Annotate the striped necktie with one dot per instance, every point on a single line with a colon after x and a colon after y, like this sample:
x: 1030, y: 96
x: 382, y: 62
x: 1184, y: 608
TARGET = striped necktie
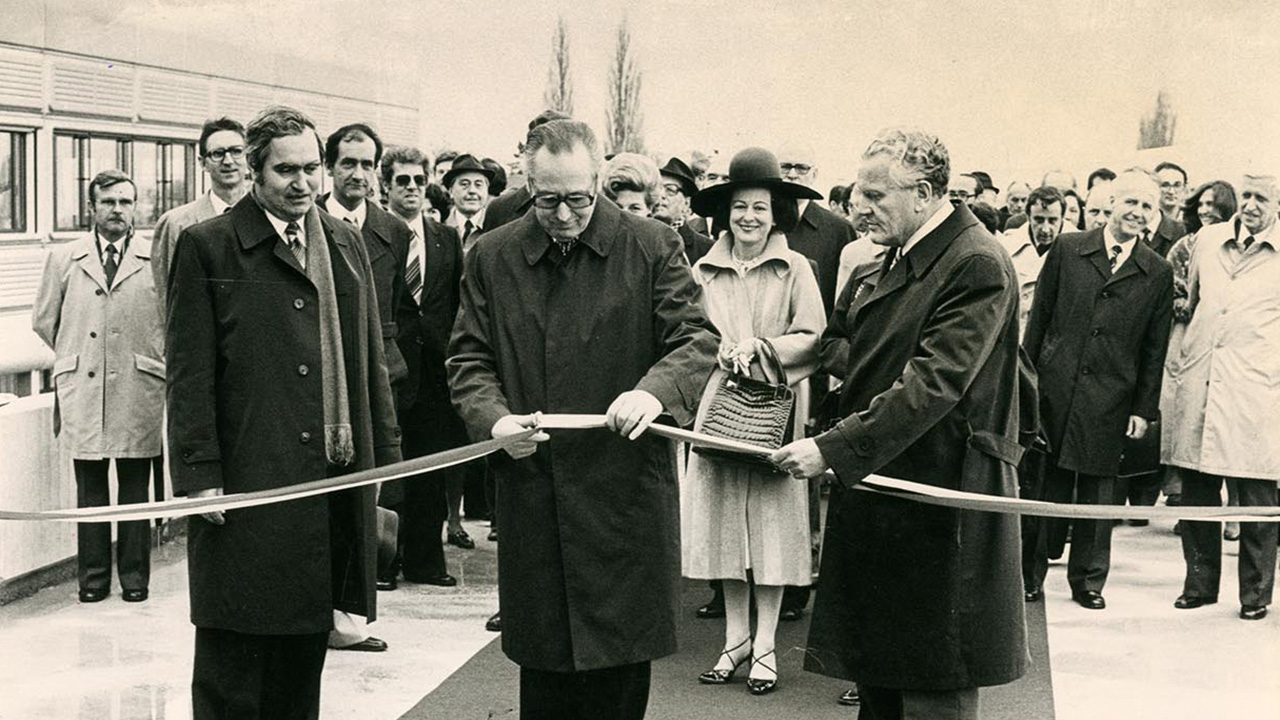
x: 413, y: 271
x: 1115, y: 256
x: 291, y: 231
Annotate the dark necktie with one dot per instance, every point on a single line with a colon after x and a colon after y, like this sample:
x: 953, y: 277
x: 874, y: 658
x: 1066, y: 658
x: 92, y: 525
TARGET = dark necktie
x: 1248, y: 243
x: 413, y: 271
x: 467, y: 229
x: 291, y: 231
x: 890, y: 260
x: 109, y: 263
x: 352, y: 221
x: 1115, y: 256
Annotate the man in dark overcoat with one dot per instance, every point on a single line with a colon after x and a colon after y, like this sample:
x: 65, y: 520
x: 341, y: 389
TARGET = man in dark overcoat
x: 921, y: 605
x: 578, y: 307
x: 1097, y: 333
x: 276, y: 376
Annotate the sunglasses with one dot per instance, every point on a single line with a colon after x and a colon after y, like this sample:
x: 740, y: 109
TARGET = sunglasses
x: 403, y: 181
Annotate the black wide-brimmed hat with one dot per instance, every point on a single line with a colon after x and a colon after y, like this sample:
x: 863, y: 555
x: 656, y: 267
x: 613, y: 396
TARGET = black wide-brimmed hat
x: 677, y: 170
x: 751, y: 168
x: 465, y: 163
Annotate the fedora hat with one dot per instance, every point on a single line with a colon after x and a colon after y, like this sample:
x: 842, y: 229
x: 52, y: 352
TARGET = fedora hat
x: 751, y: 168
x: 466, y: 163
x: 677, y: 170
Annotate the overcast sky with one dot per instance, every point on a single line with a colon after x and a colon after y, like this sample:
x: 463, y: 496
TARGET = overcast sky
x: 1013, y: 88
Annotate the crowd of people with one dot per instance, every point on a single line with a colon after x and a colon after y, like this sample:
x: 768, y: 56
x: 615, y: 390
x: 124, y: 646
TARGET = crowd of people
x: 1098, y: 350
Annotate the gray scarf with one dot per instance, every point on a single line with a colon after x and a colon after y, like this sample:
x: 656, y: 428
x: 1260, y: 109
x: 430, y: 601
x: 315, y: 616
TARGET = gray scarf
x: 339, y: 442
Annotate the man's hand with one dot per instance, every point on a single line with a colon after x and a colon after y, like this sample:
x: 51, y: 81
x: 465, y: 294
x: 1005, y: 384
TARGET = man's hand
x: 801, y: 459
x: 516, y: 424
x: 632, y: 413
x: 1137, y: 428
x: 214, y: 517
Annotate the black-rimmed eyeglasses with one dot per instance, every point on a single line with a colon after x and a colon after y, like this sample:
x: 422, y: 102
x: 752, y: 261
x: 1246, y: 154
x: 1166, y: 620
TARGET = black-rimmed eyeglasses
x: 235, y: 151
x: 576, y: 201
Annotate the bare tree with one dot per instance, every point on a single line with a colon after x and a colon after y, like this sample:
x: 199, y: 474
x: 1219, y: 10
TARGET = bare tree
x: 623, y: 119
x: 559, y: 92
x: 1156, y: 128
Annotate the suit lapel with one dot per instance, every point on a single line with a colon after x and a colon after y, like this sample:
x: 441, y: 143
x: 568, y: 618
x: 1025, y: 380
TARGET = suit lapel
x: 1096, y: 250
x: 436, y: 253
x: 139, y: 253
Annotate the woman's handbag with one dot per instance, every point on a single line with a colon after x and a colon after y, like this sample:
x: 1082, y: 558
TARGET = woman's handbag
x: 751, y: 411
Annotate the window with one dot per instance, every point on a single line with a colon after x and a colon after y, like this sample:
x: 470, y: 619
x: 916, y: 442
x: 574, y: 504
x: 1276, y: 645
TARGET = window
x: 13, y: 181
x: 162, y: 171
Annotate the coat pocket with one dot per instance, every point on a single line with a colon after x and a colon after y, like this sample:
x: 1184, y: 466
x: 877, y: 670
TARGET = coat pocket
x: 150, y: 366
x: 65, y: 364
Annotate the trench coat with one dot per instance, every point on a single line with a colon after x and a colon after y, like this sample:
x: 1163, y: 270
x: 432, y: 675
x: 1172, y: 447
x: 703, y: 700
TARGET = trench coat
x: 1098, y: 341
x: 108, y: 345
x: 590, y: 551
x: 737, y: 517
x: 168, y: 228
x: 914, y: 596
x: 1226, y: 399
x: 246, y: 412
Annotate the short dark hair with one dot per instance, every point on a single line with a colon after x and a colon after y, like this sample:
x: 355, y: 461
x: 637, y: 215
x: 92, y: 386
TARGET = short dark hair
x: 1045, y: 196
x: 109, y: 178
x: 499, y: 181
x: 1166, y: 165
x: 440, y: 200
x: 786, y: 212
x: 445, y: 156
x: 1224, y: 199
x: 1103, y: 174
x: 217, y: 125
x: 987, y: 215
x: 1079, y: 201
x: 834, y: 195
x: 354, y: 131
x: 274, y: 122
x: 405, y: 155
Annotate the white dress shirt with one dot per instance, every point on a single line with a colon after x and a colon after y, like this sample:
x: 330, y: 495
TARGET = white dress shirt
x: 1126, y: 248
x: 219, y: 205
x: 342, y: 213
x: 280, y: 225
x: 942, y: 213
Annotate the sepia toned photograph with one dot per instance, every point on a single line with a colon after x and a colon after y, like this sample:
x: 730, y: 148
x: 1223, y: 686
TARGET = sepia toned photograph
x: 420, y: 360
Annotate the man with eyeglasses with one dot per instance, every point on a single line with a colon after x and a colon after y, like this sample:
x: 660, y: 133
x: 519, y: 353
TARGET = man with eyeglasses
x: 579, y: 307
x: 965, y: 189
x: 432, y: 270
x: 1165, y: 226
x: 221, y: 148
x: 678, y: 186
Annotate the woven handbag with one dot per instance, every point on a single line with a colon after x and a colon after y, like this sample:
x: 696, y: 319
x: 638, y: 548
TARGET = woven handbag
x: 751, y: 411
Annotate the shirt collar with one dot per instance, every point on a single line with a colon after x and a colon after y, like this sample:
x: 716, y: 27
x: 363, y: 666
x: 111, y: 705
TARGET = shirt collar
x: 219, y: 205
x: 460, y: 222
x: 279, y: 226
x: 358, y: 215
x: 1266, y: 236
x: 120, y: 245
x: 941, y: 214
x: 1109, y: 237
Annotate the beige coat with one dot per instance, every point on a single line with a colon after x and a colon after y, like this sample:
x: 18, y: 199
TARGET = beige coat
x: 1226, y: 406
x: 733, y: 517
x: 108, y: 346
x: 169, y: 227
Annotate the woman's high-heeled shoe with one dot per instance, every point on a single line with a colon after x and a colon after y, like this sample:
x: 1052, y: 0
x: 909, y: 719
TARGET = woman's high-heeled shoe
x: 763, y: 687
x: 720, y: 677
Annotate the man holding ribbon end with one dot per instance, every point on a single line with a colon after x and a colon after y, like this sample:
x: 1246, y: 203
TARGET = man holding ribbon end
x: 920, y: 604
x: 276, y: 376
x: 574, y: 308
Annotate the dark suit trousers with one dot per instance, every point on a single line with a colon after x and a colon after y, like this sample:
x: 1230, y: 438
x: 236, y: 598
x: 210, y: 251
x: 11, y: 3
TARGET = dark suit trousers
x: 1035, y: 530
x: 617, y: 693
x: 890, y: 704
x: 257, y: 677
x: 93, y: 541
x: 1090, y: 558
x: 424, y: 509
x: 1202, y: 541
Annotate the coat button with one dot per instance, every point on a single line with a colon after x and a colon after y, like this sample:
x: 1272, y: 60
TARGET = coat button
x: 93, y: 334
x: 299, y: 303
x: 304, y: 438
x: 1106, y: 293
x: 98, y: 292
x: 1096, y: 332
x: 303, y: 370
x: 92, y: 373
x: 186, y: 454
x: 1086, y: 370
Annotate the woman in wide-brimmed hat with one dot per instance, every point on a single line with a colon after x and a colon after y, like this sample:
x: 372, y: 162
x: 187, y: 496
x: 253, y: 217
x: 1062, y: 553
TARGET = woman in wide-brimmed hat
x: 738, y: 519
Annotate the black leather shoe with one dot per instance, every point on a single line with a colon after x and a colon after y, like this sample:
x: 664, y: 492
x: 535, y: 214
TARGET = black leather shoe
x: 494, y: 624
x: 1191, y: 602
x: 369, y: 644
x: 134, y: 595
x: 791, y: 614
x: 849, y: 697
x: 493, y: 535
x: 711, y: 611
x: 387, y: 584
x: 445, y: 580
x: 1033, y: 595
x: 1253, y: 612
x: 462, y: 539
x: 1089, y: 599
x: 716, y: 676
x: 93, y: 596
